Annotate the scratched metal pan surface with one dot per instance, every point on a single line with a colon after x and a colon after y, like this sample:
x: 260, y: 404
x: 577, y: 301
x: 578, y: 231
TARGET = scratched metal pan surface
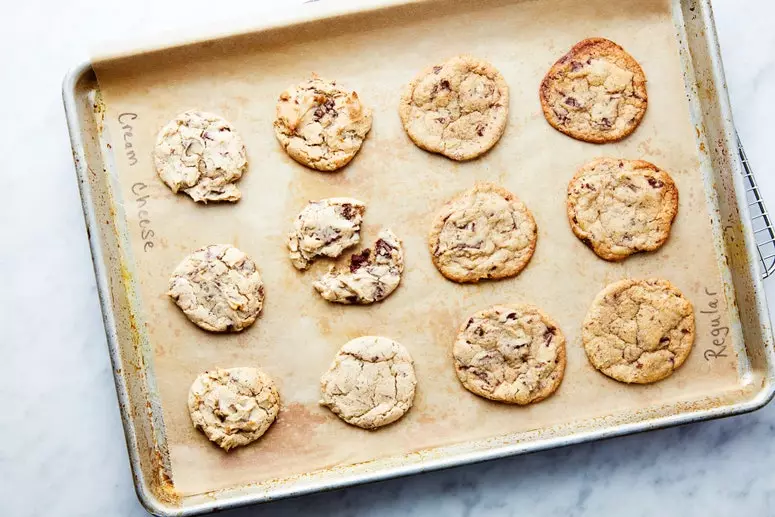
x: 711, y: 255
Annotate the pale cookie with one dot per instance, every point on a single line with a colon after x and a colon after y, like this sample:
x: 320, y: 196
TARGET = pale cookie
x: 510, y: 353
x: 321, y: 124
x: 371, y: 382
x: 482, y: 233
x: 202, y: 155
x: 219, y: 288
x: 596, y: 92
x: 620, y: 207
x: 371, y: 276
x: 639, y: 331
x: 457, y: 108
x: 233, y: 407
x: 325, y: 228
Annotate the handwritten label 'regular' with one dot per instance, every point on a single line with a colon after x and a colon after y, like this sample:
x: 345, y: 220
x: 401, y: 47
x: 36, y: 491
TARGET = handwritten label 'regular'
x: 141, y: 200
x: 718, y: 332
x: 126, y: 131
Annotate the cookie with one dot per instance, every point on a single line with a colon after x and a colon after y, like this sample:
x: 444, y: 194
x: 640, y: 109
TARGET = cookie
x: 619, y: 207
x: 510, y: 353
x: 219, y: 288
x: 371, y: 382
x: 202, y: 155
x: 595, y: 93
x: 233, y: 407
x: 457, y: 108
x: 482, y: 233
x: 320, y: 124
x: 639, y: 331
x: 325, y: 228
x: 371, y: 276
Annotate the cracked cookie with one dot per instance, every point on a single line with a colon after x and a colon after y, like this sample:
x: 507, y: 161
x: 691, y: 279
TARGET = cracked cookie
x: 371, y: 382
x: 321, y: 124
x: 457, y: 108
x: 595, y: 93
x: 219, y: 288
x: 482, y: 233
x: 510, y: 353
x: 639, y: 331
x: 620, y: 207
x: 202, y: 155
x: 371, y: 276
x: 233, y: 407
x: 325, y: 228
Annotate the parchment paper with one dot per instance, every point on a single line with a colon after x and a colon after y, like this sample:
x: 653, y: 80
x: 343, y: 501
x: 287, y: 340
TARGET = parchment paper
x: 298, y: 333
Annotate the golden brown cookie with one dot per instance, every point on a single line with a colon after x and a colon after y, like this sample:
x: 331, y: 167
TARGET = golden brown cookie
x: 619, y: 207
x: 482, y: 233
x: 639, y: 331
x: 457, y: 108
x: 321, y: 124
x: 596, y: 92
x: 510, y: 353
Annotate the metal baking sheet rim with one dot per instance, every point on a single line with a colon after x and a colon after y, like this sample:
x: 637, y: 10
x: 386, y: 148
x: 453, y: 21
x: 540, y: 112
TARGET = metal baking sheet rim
x: 154, y: 504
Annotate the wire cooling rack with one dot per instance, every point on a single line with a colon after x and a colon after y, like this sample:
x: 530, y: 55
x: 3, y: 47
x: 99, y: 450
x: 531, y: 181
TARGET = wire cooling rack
x: 760, y: 218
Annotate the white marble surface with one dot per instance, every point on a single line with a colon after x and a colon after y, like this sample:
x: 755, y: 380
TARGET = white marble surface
x: 61, y: 445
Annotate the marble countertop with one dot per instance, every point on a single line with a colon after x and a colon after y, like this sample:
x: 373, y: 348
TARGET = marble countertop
x: 61, y: 443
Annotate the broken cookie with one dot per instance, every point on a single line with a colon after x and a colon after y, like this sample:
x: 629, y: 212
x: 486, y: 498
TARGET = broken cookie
x: 372, y: 276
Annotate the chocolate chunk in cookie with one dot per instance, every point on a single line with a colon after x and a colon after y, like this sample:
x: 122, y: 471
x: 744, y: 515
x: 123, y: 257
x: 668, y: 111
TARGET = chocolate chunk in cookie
x: 596, y: 92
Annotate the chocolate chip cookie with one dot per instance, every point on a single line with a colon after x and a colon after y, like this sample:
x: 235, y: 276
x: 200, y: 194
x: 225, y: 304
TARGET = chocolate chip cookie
x: 510, y: 353
x: 457, y: 108
x: 321, y: 124
x: 482, y: 233
x: 596, y: 92
x: 325, y: 228
x: 233, y: 407
x: 371, y: 382
x: 639, y: 331
x: 371, y: 277
x: 202, y: 155
x: 619, y: 207
x: 219, y: 288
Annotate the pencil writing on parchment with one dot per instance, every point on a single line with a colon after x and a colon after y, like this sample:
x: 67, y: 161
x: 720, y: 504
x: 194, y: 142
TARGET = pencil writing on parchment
x: 718, y: 332
x: 127, y: 134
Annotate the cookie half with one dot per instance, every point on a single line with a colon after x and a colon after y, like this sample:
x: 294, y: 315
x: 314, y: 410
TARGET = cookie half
x: 233, y: 407
x: 639, y: 331
x: 321, y: 124
x: 371, y: 276
x: 482, y: 233
x: 457, y: 108
x: 510, y: 353
x: 202, y: 155
x: 595, y: 93
x: 619, y: 207
x: 371, y: 382
x: 218, y: 287
x: 325, y: 228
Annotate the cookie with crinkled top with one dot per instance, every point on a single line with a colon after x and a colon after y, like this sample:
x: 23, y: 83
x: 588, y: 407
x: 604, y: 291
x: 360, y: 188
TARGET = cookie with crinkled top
x: 639, y: 331
x: 510, y: 353
x: 619, y: 207
x: 457, y: 108
x: 484, y: 233
x: 321, y: 124
x: 595, y: 93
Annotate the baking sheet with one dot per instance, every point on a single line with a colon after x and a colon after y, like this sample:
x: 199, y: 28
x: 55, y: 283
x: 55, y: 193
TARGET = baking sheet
x: 298, y: 333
